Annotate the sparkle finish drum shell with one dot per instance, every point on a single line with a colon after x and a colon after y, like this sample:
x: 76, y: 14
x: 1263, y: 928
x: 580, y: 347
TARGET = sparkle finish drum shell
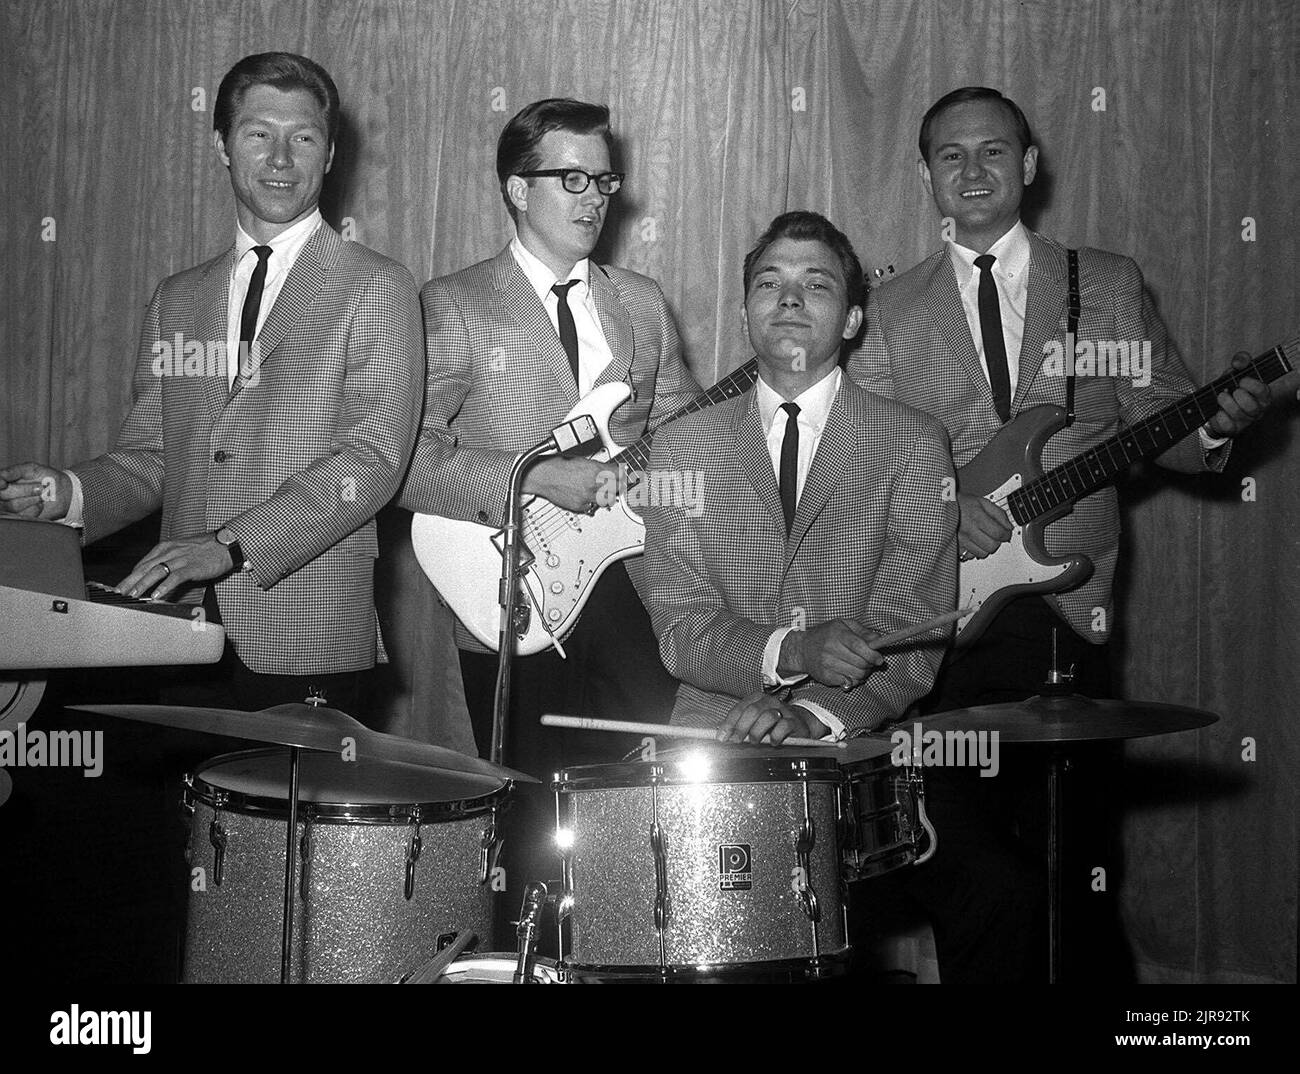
x: 703, y: 864
x: 372, y: 900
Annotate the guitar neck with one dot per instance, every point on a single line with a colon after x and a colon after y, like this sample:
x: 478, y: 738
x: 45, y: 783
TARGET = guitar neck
x: 1086, y: 473
x: 637, y: 455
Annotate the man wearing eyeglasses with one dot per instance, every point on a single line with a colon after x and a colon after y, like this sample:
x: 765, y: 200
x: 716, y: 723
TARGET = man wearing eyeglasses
x: 513, y: 344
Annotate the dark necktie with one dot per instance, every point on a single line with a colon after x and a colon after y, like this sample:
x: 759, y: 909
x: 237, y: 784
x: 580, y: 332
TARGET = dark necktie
x: 253, y: 299
x: 568, y: 331
x: 995, y: 348
x: 790, y: 464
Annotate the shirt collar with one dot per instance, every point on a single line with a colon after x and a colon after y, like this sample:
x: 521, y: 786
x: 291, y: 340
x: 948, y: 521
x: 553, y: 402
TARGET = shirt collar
x: 286, y: 244
x: 542, y: 278
x: 814, y: 403
x: 1011, y: 250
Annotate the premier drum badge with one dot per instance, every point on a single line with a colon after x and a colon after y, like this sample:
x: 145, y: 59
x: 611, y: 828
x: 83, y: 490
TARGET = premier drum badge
x: 735, y: 868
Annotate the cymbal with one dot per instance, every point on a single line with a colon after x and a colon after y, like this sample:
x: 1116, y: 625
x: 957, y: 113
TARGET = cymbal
x: 1071, y: 718
x: 310, y: 727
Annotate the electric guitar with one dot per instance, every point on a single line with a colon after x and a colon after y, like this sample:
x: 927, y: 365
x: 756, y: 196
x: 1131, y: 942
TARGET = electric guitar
x: 1008, y: 472
x: 562, y: 553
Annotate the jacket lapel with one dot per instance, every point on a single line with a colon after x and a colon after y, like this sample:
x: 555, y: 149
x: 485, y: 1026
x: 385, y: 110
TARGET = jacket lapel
x: 1044, y: 301
x: 526, y: 310
x: 751, y: 452
x: 836, y: 448
x: 616, y: 325
x: 300, y: 289
x: 944, y: 303
x: 211, y: 317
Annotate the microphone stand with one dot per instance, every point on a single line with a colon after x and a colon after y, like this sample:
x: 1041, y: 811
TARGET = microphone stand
x: 564, y: 440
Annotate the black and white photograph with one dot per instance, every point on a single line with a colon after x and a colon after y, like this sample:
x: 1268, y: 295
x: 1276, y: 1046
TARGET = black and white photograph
x: 652, y: 492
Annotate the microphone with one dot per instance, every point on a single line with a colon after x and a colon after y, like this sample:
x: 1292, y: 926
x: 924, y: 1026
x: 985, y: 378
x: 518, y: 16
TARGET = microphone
x: 575, y: 435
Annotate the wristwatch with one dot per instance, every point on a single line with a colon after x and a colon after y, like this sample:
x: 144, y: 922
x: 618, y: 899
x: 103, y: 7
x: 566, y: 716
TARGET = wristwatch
x: 227, y: 537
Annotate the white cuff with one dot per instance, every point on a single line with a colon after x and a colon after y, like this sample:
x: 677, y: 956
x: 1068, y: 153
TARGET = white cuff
x: 1210, y: 442
x: 833, y: 723
x: 77, y: 507
x: 772, y: 656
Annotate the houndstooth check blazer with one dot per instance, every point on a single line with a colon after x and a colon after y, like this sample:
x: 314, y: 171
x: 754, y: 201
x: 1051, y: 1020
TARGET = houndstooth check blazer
x: 918, y: 349
x: 296, y: 459
x: 873, y: 539
x: 499, y: 380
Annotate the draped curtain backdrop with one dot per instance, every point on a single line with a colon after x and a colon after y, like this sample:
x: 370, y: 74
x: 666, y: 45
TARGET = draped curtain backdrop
x: 1168, y: 133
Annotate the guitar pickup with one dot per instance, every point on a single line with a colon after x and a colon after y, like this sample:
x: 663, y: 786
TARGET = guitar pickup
x: 526, y: 557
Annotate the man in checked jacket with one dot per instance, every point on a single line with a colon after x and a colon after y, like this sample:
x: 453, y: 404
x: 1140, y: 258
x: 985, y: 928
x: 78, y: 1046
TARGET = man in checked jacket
x: 513, y: 343
x: 965, y: 336
x: 270, y: 463
x: 827, y: 519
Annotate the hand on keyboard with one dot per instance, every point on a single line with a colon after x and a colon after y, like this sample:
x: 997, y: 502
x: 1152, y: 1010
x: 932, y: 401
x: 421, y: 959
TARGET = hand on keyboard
x: 171, y: 564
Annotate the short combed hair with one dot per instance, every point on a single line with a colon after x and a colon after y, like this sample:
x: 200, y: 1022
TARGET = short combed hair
x: 517, y: 146
x: 803, y: 225
x: 973, y: 93
x: 282, y: 70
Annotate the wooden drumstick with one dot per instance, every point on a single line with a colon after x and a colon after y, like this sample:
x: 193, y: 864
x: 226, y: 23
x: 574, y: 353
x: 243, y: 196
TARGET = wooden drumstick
x: 894, y: 637
x: 588, y: 723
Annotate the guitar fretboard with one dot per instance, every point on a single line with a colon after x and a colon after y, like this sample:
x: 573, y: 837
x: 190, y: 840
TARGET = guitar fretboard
x: 1086, y: 473
x: 637, y: 455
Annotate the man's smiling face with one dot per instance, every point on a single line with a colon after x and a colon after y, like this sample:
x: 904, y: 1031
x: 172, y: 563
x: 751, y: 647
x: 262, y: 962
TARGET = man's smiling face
x: 978, y: 171
x: 278, y: 152
x: 797, y: 310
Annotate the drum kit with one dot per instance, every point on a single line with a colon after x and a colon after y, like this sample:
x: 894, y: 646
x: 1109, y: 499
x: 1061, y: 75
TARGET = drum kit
x: 710, y: 861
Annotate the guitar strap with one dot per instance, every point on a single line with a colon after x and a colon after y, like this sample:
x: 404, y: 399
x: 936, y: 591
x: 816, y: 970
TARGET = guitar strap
x: 1071, y: 325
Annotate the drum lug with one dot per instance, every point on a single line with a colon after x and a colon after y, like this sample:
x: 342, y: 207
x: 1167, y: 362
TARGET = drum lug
x: 917, y: 780
x: 304, y: 855
x: 413, y: 847
x: 187, y: 796
x: 489, y: 849
x: 661, y: 906
x: 217, y: 837
x: 803, y: 847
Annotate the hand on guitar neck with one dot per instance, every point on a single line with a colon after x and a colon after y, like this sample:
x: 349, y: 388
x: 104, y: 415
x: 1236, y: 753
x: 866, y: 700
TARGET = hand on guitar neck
x: 986, y: 526
x: 574, y: 484
x: 1240, y: 409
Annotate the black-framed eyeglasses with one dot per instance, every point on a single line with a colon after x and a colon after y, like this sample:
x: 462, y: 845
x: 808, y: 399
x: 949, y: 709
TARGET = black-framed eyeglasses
x: 575, y: 180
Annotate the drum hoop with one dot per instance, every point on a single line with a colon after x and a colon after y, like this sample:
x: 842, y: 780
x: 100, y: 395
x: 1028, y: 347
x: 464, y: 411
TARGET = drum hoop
x: 198, y: 789
x: 830, y: 964
x: 745, y: 770
x: 876, y: 766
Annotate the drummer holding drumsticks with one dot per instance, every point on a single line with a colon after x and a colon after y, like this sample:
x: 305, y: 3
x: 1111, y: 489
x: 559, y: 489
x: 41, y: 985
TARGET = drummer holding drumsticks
x: 827, y: 518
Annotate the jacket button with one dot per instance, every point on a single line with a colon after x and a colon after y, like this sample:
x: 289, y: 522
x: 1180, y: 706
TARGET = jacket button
x: 220, y: 456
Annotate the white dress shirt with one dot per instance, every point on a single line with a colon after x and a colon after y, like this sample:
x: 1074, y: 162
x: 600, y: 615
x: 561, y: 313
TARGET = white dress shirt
x: 593, y: 351
x: 814, y: 408
x: 285, y: 248
x: 1011, y: 275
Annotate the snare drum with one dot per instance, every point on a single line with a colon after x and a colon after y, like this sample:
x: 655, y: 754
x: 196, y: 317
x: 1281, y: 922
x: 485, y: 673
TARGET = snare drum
x: 884, y: 825
x: 705, y: 864
x: 390, y: 858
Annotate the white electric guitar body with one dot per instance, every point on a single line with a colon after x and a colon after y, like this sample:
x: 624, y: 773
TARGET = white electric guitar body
x: 562, y: 553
